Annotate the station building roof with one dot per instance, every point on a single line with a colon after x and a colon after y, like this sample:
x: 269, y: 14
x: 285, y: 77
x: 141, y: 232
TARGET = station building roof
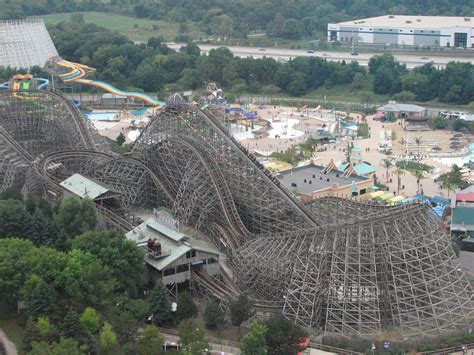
x: 173, y: 243
x: 84, y: 187
x: 315, y: 178
x: 413, y: 22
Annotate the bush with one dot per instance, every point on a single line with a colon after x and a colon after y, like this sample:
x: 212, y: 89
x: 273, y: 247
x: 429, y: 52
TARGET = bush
x: 213, y: 316
x: 413, y: 166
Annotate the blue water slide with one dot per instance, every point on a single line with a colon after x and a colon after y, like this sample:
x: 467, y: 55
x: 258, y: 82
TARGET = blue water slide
x: 44, y: 83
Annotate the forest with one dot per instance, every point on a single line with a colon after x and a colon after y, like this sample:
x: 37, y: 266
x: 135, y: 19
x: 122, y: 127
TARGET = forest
x: 292, y: 19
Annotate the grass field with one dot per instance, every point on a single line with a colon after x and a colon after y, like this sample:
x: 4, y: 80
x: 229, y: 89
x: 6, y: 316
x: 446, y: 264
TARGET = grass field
x: 134, y: 28
x: 9, y: 324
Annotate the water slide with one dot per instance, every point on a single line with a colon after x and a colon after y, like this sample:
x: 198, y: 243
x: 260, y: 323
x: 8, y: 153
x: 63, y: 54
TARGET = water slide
x: 23, y: 82
x: 79, y: 71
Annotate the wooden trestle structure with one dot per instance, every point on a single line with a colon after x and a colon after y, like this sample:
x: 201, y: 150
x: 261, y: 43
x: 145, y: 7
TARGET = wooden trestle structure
x: 333, y: 265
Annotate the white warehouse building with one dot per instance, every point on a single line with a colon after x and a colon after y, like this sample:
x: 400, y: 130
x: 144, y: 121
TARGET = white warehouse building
x: 444, y: 31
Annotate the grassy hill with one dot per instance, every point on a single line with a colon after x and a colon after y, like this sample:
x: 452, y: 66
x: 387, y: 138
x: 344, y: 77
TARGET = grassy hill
x: 135, y: 29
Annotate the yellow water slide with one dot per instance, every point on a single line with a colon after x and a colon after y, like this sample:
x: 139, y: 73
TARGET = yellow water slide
x: 78, y: 71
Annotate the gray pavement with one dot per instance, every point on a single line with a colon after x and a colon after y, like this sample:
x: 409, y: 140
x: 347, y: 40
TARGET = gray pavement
x: 215, y: 348
x: 410, y: 59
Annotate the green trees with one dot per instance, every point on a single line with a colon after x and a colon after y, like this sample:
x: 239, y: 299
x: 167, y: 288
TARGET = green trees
x: 192, y: 336
x: 63, y: 346
x: 86, y: 281
x: 213, y: 316
x: 240, y: 311
x: 418, y: 84
x: 386, y: 73
x: 292, y: 29
x: 186, y: 306
x: 160, y: 306
x: 453, y: 86
x: 404, y: 96
x: 16, y: 259
x: 122, y: 257
x: 151, y: 341
x: 14, y: 219
x: 107, y: 340
x: 90, y: 320
x: 439, y: 122
x: 254, y: 342
x: 120, y: 139
x: 283, y: 336
x: 76, y: 216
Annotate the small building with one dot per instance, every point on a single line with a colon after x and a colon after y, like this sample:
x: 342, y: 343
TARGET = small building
x: 401, y: 110
x: 401, y: 30
x: 462, y: 216
x: 106, y: 200
x: 108, y: 99
x: 171, y: 255
x: 312, y: 181
x: 414, y: 123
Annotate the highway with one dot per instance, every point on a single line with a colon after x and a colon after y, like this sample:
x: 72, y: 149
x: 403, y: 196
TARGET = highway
x: 410, y: 59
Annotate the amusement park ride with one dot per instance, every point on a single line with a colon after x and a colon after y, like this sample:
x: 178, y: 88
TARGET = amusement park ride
x: 331, y: 265
x: 76, y: 74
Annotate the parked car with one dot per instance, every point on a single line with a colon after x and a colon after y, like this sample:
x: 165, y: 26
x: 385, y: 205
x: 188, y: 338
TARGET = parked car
x: 310, y: 51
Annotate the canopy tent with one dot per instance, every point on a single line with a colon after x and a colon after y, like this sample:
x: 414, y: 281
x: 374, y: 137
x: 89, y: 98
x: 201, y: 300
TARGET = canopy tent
x: 396, y: 199
x: 407, y: 200
x: 440, y: 200
x: 385, y: 196
x: 376, y: 194
x: 421, y: 197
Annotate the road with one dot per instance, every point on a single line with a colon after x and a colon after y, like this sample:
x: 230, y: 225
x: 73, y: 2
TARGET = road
x: 215, y: 348
x: 410, y: 59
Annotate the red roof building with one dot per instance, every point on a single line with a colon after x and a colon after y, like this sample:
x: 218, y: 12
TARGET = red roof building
x: 466, y: 197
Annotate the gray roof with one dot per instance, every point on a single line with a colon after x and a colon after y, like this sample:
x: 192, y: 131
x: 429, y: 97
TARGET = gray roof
x: 401, y: 108
x: 161, y: 228
x: 319, y: 182
x: 84, y: 187
x: 174, y: 244
x: 412, y: 22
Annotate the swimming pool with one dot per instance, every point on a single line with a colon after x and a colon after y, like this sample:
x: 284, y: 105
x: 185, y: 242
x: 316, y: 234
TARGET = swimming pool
x: 240, y: 133
x: 102, y: 116
x: 284, y: 129
x: 459, y: 161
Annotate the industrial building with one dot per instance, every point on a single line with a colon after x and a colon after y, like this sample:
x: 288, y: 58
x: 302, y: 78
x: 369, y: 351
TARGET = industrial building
x: 434, y: 31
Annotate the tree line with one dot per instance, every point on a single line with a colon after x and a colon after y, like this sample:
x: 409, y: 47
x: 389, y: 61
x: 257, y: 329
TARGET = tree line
x: 153, y: 67
x: 291, y: 19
